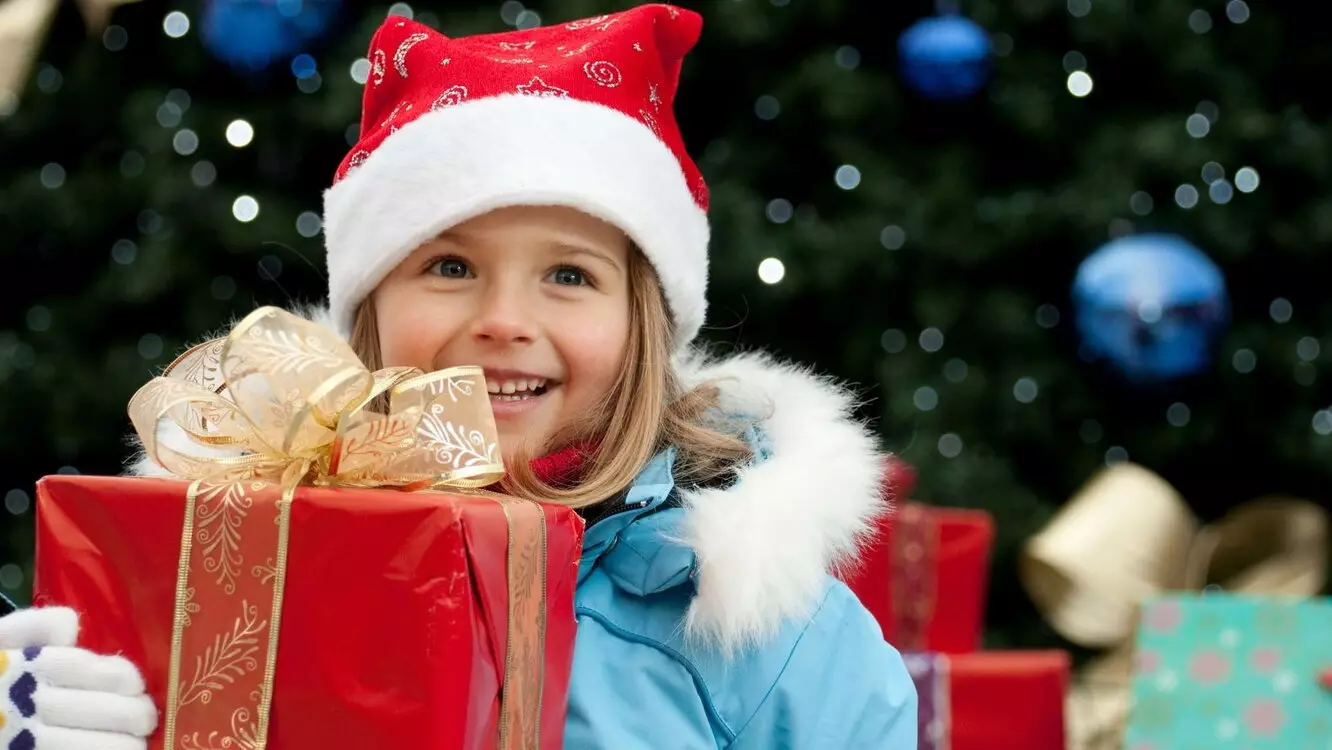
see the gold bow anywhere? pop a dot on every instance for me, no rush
(278, 403)
(1128, 535)
(290, 401)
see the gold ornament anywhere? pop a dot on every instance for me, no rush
(23, 27)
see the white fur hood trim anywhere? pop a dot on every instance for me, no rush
(765, 545)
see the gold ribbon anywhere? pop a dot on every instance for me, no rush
(1127, 536)
(278, 403)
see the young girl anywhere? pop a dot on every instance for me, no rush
(524, 202)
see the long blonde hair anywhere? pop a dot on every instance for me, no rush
(646, 411)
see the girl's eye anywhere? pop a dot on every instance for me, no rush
(451, 268)
(570, 276)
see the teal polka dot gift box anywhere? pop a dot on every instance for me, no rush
(1218, 671)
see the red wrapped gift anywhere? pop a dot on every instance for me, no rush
(925, 577)
(397, 620)
(990, 699)
(324, 580)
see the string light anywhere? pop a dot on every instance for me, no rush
(114, 38)
(931, 340)
(203, 173)
(771, 271)
(893, 340)
(1178, 414)
(17, 502)
(1079, 83)
(1186, 196)
(245, 209)
(124, 252)
(892, 237)
(150, 346)
(950, 445)
(176, 24)
(1025, 390)
(240, 133)
(955, 370)
(925, 398)
(1244, 361)
(528, 19)
(847, 177)
(1246, 179)
(1322, 422)
(308, 224)
(1198, 125)
(360, 71)
(223, 288)
(1141, 203)
(53, 176)
(847, 57)
(185, 142)
(779, 211)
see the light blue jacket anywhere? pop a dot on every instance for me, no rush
(675, 578)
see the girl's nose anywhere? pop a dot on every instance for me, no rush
(504, 317)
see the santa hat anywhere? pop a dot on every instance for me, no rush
(578, 115)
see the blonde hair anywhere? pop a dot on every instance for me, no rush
(647, 410)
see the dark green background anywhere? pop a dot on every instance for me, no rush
(999, 198)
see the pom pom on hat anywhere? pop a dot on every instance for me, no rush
(577, 115)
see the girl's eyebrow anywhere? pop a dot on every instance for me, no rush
(589, 251)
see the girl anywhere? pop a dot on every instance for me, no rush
(524, 202)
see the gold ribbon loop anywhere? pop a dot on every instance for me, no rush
(281, 391)
(1128, 535)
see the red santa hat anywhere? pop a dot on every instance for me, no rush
(577, 114)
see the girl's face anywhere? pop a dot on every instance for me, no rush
(538, 296)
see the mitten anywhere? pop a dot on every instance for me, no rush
(54, 696)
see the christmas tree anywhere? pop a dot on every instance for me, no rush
(159, 181)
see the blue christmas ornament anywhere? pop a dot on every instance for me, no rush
(254, 34)
(1152, 305)
(945, 57)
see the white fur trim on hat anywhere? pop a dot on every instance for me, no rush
(464, 160)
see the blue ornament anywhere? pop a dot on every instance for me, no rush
(945, 57)
(254, 34)
(1152, 305)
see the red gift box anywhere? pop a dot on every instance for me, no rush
(992, 699)
(399, 624)
(925, 577)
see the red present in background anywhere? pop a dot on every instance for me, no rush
(925, 577)
(990, 700)
(395, 620)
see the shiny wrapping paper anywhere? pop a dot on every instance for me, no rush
(395, 617)
(925, 577)
(990, 700)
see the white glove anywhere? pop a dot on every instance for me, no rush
(57, 697)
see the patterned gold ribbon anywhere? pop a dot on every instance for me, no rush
(282, 402)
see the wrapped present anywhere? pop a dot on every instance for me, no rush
(335, 578)
(991, 699)
(1229, 671)
(925, 577)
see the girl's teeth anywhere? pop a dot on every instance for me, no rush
(519, 387)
